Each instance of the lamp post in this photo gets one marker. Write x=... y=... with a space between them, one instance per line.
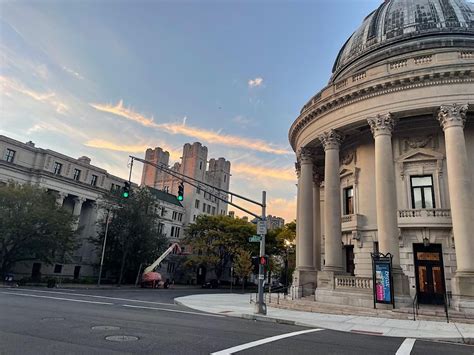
x=109 y=215
x=287 y=247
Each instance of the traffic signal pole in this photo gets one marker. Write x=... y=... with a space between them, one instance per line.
x=261 y=307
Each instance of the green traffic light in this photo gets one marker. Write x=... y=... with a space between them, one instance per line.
x=180 y=198
x=125 y=195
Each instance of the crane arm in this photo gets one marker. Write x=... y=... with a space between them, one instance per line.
x=161 y=258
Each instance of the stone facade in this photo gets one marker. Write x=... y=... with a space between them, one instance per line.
x=397 y=110
x=79 y=187
x=197 y=201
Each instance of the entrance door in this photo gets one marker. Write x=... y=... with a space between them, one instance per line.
x=201 y=275
x=429 y=273
x=36 y=271
x=350 y=266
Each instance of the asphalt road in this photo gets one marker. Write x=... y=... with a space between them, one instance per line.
x=44 y=321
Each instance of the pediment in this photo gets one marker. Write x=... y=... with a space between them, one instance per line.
x=420 y=154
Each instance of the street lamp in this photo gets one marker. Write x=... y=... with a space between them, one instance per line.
x=108 y=218
x=287 y=248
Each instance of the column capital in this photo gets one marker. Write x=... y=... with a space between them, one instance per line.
x=298 y=169
x=79 y=200
x=305 y=155
x=452 y=115
x=382 y=124
x=317 y=176
x=331 y=139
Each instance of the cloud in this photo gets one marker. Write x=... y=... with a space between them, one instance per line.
x=243 y=121
x=259 y=171
x=10 y=86
x=253 y=83
x=134 y=148
x=190 y=131
x=73 y=73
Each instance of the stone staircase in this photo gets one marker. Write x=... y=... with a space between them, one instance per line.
x=425 y=312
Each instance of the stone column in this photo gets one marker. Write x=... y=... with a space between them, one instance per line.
x=60 y=196
x=332 y=202
x=298 y=209
x=76 y=211
x=305 y=273
x=316 y=220
x=453 y=118
x=386 y=196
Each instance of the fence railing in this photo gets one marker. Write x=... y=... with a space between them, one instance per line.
x=429 y=212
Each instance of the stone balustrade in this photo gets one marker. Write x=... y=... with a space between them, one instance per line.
x=353 y=282
x=430 y=217
x=351 y=222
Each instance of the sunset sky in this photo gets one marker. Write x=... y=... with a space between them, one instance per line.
x=107 y=79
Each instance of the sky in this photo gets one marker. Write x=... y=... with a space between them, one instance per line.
x=108 y=79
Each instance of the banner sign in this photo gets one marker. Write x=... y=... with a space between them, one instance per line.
x=382 y=278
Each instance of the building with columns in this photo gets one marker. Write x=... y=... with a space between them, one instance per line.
x=385 y=160
x=79 y=187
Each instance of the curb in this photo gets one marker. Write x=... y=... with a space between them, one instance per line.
x=267 y=319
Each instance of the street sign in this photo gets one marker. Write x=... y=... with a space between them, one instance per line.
x=255 y=239
x=261 y=228
x=261 y=277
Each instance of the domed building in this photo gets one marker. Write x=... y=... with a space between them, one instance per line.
x=385 y=160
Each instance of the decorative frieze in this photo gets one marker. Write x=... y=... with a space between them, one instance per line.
x=359 y=76
x=341 y=84
x=398 y=64
x=331 y=139
x=382 y=124
x=348 y=157
x=452 y=115
x=425 y=59
x=418 y=142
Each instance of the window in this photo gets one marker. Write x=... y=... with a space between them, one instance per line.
x=77 y=176
x=180 y=217
x=94 y=180
x=175 y=215
x=422 y=193
x=177 y=230
x=170 y=268
x=194 y=218
x=225 y=177
x=349 y=200
x=57 y=168
x=160 y=228
x=10 y=155
x=204 y=207
x=198 y=191
x=58 y=268
x=163 y=211
x=172 y=231
x=196 y=204
x=200 y=165
x=208 y=208
x=213 y=210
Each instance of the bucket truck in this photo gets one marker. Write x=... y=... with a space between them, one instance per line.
x=152 y=278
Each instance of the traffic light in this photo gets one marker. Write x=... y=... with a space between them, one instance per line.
x=126 y=189
x=255 y=260
x=264 y=260
x=180 y=192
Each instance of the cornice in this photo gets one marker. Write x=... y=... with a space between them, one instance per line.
x=333 y=103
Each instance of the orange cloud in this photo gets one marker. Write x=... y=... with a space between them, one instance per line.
x=262 y=171
x=197 y=133
x=137 y=148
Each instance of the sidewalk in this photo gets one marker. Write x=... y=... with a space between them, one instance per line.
x=238 y=305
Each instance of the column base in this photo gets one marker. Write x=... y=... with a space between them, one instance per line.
x=462 y=285
x=401 y=284
x=304 y=282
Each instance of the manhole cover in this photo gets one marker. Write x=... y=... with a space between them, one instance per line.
x=121 y=338
x=105 y=327
x=52 y=318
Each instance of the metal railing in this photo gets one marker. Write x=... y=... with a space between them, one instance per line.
x=446 y=306
x=415 y=306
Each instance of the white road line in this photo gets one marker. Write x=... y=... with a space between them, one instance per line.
x=262 y=341
x=103 y=297
x=173 y=310
x=55 y=298
x=406 y=347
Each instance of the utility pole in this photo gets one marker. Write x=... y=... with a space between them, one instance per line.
x=261 y=306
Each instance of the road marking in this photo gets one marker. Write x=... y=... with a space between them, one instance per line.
x=262 y=341
x=406 y=347
x=55 y=298
x=173 y=310
x=103 y=297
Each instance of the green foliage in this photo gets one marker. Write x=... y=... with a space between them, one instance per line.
x=133 y=236
x=216 y=239
x=33 y=227
x=243 y=264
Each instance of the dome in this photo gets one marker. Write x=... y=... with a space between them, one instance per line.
x=401 y=21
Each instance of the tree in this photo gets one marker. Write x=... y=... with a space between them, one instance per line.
x=243 y=265
x=216 y=239
x=133 y=236
x=33 y=227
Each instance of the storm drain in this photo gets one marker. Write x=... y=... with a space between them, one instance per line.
x=121 y=338
x=105 y=327
x=47 y=319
